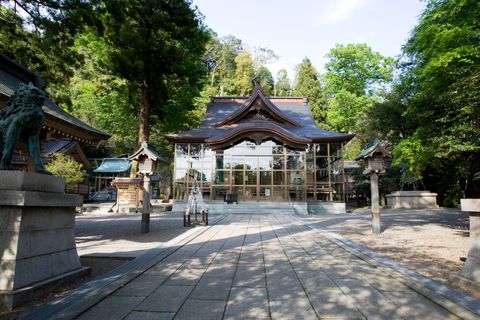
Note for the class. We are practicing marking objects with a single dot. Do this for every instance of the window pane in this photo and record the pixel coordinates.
(295, 162)
(264, 162)
(237, 177)
(180, 175)
(321, 149)
(295, 178)
(250, 163)
(181, 156)
(265, 177)
(196, 151)
(279, 162)
(250, 177)
(222, 177)
(278, 178)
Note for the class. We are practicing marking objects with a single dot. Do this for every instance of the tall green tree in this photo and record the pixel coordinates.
(158, 46)
(356, 78)
(307, 84)
(244, 74)
(38, 35)
(220, 57)
(265, 78)
(103, 100)
(283, 85)
(440, 71)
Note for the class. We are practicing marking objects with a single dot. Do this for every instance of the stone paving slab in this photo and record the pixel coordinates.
(271, 267)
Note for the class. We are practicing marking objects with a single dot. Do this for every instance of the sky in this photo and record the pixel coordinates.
(295, 29)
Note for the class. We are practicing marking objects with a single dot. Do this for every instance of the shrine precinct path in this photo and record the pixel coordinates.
(261, 267)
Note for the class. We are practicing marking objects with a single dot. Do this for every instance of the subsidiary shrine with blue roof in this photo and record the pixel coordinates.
(260, 148)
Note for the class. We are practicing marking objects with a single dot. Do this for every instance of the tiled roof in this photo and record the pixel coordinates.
(114, 165)
(294, 108)
(61, 146)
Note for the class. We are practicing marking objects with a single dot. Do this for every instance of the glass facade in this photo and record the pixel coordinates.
(265, 172)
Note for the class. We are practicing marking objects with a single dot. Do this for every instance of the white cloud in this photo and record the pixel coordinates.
(340, 10)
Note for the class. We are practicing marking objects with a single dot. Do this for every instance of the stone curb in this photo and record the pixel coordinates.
(90, 293)
(457, 303)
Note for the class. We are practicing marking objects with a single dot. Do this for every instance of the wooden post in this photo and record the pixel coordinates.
(376, 226)
(146, 204)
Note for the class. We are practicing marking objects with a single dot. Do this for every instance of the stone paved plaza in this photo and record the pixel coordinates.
(259, 267)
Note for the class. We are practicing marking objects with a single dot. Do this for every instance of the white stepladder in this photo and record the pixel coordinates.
(195, 205)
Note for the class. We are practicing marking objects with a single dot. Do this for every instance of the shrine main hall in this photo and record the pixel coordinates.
(260, 149)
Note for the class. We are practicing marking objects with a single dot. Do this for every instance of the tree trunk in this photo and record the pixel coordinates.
(144, 131)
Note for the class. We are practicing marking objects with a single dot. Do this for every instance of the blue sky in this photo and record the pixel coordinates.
(307, 28)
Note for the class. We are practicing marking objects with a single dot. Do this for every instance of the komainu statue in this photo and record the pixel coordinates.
(22, 119)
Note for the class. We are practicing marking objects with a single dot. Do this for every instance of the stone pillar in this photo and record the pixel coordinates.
(37, 240)
(376, 226)
(146, 204)
(470, 274)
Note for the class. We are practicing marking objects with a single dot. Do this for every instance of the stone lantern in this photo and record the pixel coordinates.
(374, 157)
(148, 158)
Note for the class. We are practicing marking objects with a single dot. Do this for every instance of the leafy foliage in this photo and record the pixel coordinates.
(156, 46)
(69, 169)
(283, 88)
(436, 102)
(244, 73)
(307, 84)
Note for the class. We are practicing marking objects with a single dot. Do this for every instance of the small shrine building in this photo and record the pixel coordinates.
(260, 148)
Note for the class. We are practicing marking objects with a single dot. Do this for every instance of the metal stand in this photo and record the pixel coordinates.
(195, 200)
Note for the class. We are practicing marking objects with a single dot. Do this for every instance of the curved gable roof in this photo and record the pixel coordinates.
(231, 117)
(257, 103)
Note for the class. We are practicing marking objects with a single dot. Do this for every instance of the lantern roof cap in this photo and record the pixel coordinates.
(149, 151)
(372, 149)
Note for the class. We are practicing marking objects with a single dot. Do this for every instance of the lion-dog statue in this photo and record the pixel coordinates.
(21, 119)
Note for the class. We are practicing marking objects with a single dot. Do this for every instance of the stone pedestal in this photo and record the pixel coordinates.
(412, 200)
(470, 274)
(37, 240)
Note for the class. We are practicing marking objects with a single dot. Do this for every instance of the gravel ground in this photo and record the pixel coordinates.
(430, 242)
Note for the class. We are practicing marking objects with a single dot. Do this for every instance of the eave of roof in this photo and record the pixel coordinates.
(13, 74)
(114, 165)
(149, 151)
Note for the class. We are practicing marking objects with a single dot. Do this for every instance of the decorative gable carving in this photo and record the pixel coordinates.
(259, 107)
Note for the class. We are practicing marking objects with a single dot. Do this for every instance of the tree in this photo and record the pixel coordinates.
(283, 87)
(101, 99)
(356, 78)
(264, 77)
(38, 35)
(438, 90)
(157, 46)
(307, 84)
(357, 69)
(243, 74)
(65, 167)
(220, 57)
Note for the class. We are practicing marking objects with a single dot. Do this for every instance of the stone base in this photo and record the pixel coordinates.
(412, 200)
(318, 207)
(10, 299)
(37, 239)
